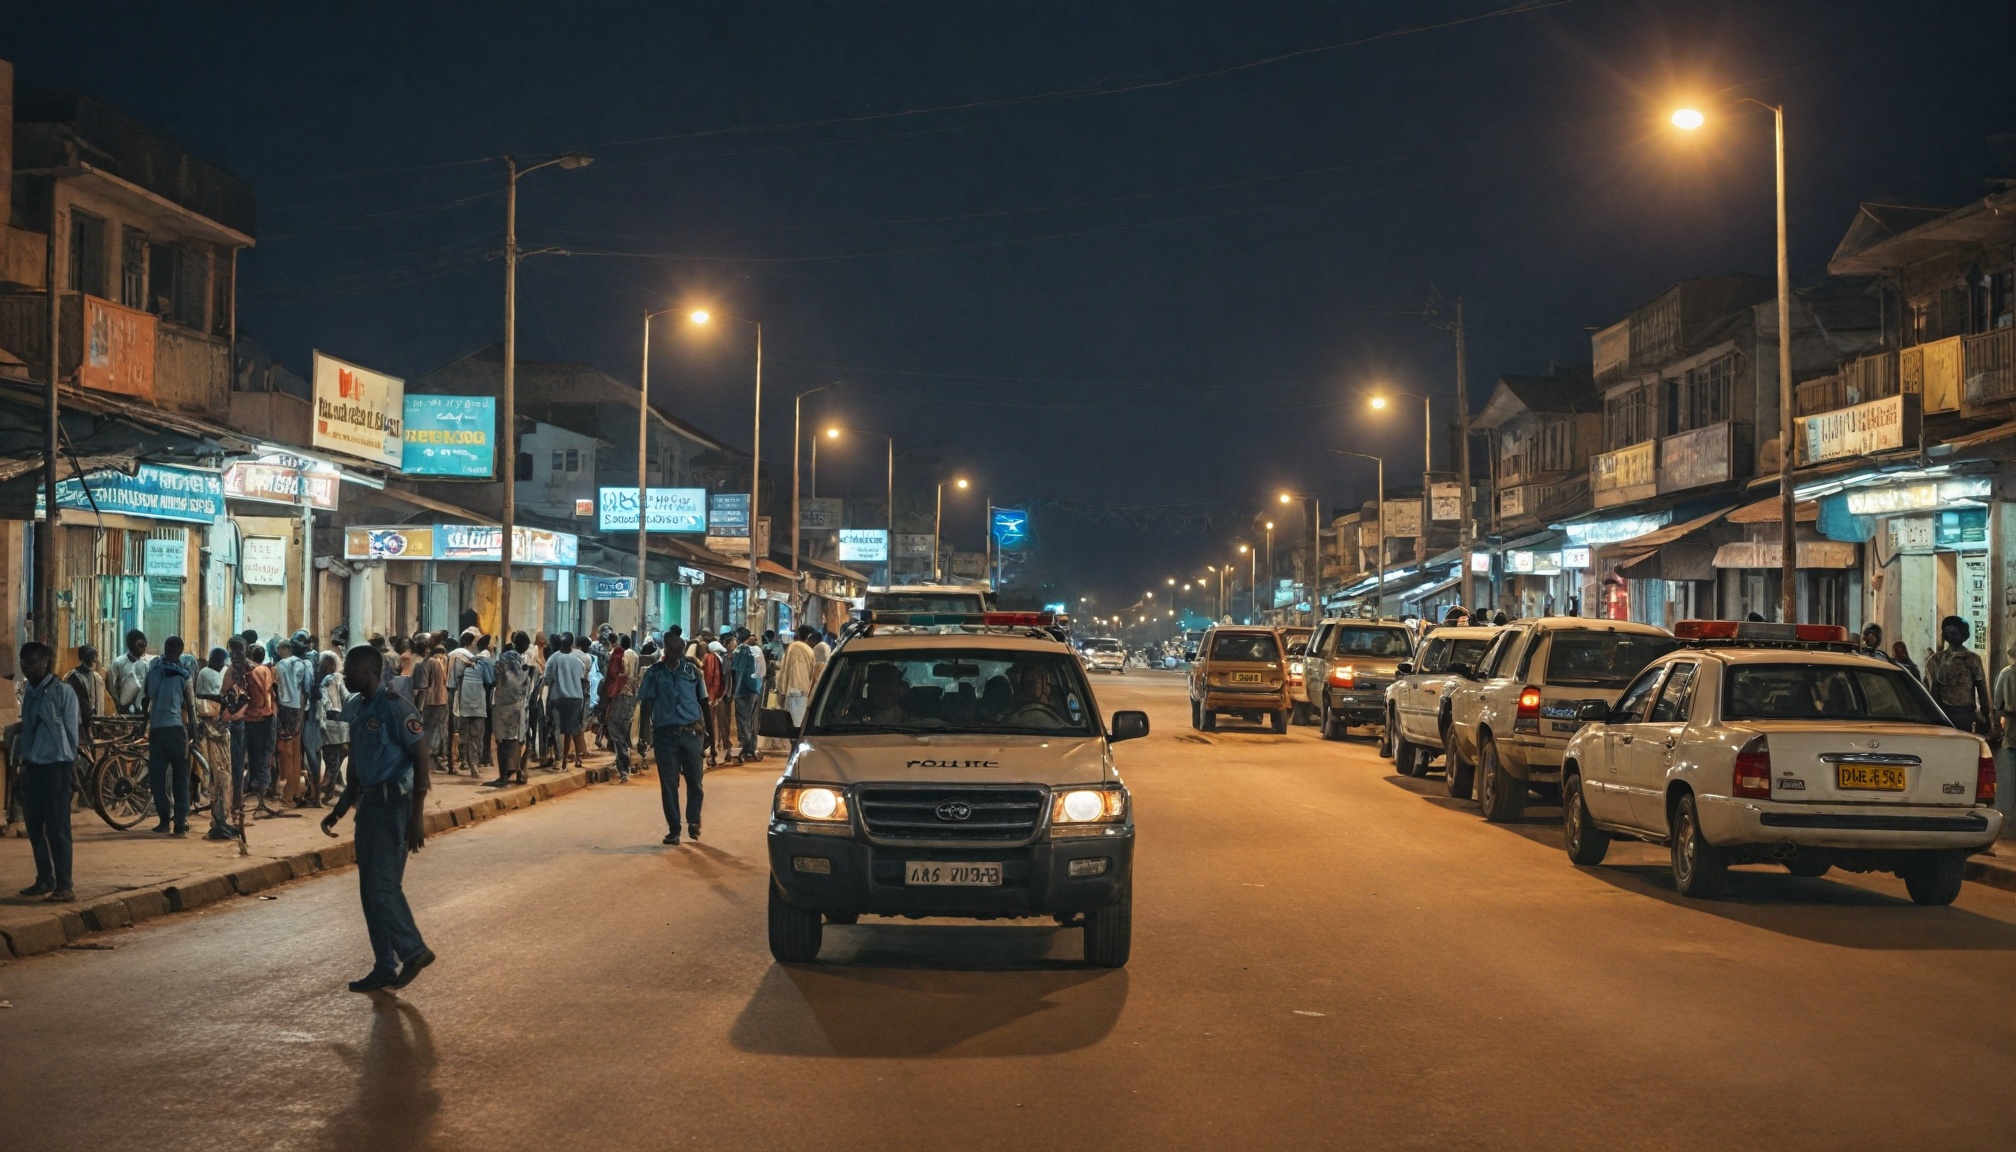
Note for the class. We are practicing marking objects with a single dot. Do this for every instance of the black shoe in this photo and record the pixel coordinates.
(379, 978)
(62, 896)
(218, 834)
(37, 889)
(693, 830)
(180, 832)
(671, 838)
(498, 783)
(162, 826)
(413, 966)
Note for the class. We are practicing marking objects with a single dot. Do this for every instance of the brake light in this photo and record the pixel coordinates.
(1528, 719)
(1821, 633)
(1752, 778)
(1019, 619)
(1343, 676)
(1984, 781)
(1705, 629)
(1760, 630)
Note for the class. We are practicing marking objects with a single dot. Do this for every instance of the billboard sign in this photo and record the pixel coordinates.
(1010, 527)
(864, 546)
(278, 478)
(913, 546)
(668, 510)
(1445, 502)
(608, 587)
(453, 436)
(263, 561)
(359, 412)
(819, 514)
(118, 350)
(154, 491)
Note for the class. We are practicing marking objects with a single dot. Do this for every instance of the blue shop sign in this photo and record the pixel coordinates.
(1011, 528)
(450, 436)
(608, 587)
(154, 491)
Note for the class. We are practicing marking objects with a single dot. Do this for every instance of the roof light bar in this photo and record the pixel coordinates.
(1760, 631)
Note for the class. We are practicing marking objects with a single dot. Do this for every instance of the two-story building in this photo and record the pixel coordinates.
(1543, 431)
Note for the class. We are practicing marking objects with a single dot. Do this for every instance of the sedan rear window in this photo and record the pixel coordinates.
(1603, 659)
(1245, 646)
(1394, 643)
(1826, 692)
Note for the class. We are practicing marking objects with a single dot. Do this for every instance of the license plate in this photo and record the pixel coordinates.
(1245, 677)
(1868, 778)
(957, 875)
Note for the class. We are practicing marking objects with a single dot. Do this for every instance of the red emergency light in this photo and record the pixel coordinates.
(1019, 619)
(1760, 630)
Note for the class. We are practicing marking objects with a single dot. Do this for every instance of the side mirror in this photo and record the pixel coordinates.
(1191, 655)
(1593, 712)
(776, 722)
(1128, 726)
(1406, 668)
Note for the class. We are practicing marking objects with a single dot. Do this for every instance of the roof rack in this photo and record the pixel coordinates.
(1041, 625)
(1763, 634)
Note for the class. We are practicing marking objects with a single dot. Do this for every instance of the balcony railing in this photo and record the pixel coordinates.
(1986, 366)
(1859, 381)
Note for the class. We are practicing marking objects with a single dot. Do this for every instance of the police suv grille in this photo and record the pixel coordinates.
(915, 813)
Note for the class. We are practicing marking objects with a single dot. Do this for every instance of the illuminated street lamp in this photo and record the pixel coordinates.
(937, 524)
(1316, 554)
(1381, 501)
(1689, 120)
(1379, 402)
(752, 609)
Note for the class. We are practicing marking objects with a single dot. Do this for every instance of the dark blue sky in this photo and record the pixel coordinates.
(1166, 300)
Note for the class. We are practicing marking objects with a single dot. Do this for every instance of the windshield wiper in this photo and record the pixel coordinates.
(891, 729)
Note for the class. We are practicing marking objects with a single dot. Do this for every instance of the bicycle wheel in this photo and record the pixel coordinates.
(119, 790)
(199, 781)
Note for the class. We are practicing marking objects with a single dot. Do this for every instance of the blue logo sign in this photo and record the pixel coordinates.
(1011, 528)
(450, 436)
(671, 510)
(608, 587)
(155, 491)
(728, 514)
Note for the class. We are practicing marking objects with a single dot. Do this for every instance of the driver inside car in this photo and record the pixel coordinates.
(1032, 699)
(884, 701)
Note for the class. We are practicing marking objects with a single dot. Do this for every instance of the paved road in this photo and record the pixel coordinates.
(1325, 956)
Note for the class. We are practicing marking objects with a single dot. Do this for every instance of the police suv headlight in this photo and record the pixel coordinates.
(812, 802)
(1089, 806)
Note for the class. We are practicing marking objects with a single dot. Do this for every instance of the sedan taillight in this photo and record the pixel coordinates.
(1343, 676)
(1984, 781)
(1528, 719)
(1752, 778)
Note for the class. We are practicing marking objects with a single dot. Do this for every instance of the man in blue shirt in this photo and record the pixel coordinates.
(171, 711)
(47, 752)
(389, 766)
(745, 675)
(673, 702)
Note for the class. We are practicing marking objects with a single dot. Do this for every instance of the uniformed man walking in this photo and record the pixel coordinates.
(673, 699)
(387, 782)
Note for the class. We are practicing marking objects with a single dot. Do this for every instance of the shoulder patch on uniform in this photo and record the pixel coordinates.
(413, 724)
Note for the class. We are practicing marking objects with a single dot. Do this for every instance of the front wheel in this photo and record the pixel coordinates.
(1699, 868)
(1456, 772)
(1500, 795)
(119, 790)
(1586, 843)
(1935, 877)
(1280, 722)
(1196, 716)
(1210, 721)
(1109, 932)
(795, 932)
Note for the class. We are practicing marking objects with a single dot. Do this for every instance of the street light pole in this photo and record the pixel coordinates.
(1381, 502)
(797, 425)
(938, 527)
(643, 477)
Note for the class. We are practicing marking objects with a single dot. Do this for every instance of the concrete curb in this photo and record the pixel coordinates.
(1994, 871)
(60, 927)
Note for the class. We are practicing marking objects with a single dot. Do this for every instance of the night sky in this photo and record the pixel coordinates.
(1102, 257)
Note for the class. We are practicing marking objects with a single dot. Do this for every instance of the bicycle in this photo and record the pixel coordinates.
(111, 772)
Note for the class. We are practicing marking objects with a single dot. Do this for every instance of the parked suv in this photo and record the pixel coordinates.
(1242, 671)
(1347, 668)
(952, 771)
(1417, 702)
(1296, 638)
(1511, 716)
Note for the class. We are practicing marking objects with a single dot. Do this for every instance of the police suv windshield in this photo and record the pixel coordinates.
(1015, 693)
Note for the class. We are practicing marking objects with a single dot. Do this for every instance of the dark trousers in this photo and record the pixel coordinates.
(332, 768)
(45, 805)
(1962, 716)
(234, 804)
(678, 755)
(259, 737)
(382, 817)
(745, 723)
(168, 766)
(311, 754)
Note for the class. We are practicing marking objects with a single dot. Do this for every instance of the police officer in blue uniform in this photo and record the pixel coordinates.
(673, 701)
(389, 767)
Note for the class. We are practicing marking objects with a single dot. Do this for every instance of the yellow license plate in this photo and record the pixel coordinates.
(1245, 677)
(1868, 778)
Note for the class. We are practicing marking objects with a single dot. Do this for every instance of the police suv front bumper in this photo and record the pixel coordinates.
(850, 874)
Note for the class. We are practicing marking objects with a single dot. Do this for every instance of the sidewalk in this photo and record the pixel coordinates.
(123, 878)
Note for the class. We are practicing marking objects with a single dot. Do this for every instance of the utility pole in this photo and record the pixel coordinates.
(1465, 535)
(52, 415)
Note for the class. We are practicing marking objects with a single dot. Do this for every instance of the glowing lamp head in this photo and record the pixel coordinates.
(1285, 498)
(1270, 525)
(699, 316)
(962, 483)
(832, 433)
(1378, 402)
(1242, 549)
(1688, 119)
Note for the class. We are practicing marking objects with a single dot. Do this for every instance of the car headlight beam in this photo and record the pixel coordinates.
(813, 802)
(1088, 806)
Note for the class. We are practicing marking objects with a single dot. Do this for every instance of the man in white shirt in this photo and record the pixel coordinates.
(795, 674)
(567, 696)
(127, 680)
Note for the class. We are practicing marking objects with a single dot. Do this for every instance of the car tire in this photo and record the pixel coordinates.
(1500, 795)
(1700, 869)
(1807, 867)
(1935, 877)
(1279, 721)
(1209, 723)
(1586, 843)
(1387, 749)
(1328, 725)
(1109, 932)
(1404, 758)
(1196, 716)
(795, 932)
(1456, 773)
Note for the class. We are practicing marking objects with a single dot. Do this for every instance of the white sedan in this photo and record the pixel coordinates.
(1769, 743)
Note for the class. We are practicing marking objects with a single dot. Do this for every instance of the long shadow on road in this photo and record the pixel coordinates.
(1825, 911)
(913, 991)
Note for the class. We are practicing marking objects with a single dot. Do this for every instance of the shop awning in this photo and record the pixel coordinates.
(1666, 554)
(1771, 554)
(1425, 591)
(1972, 440)
(1767, 512)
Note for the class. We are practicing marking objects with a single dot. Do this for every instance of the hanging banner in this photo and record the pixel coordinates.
(1446, 502)
(278, 478)
(359, 412)
(1402, 517)
(1010, 527)
(154, 491)
(263, 561)
(671, 510)
(819, 514)
(452, 436)
(118, 350)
